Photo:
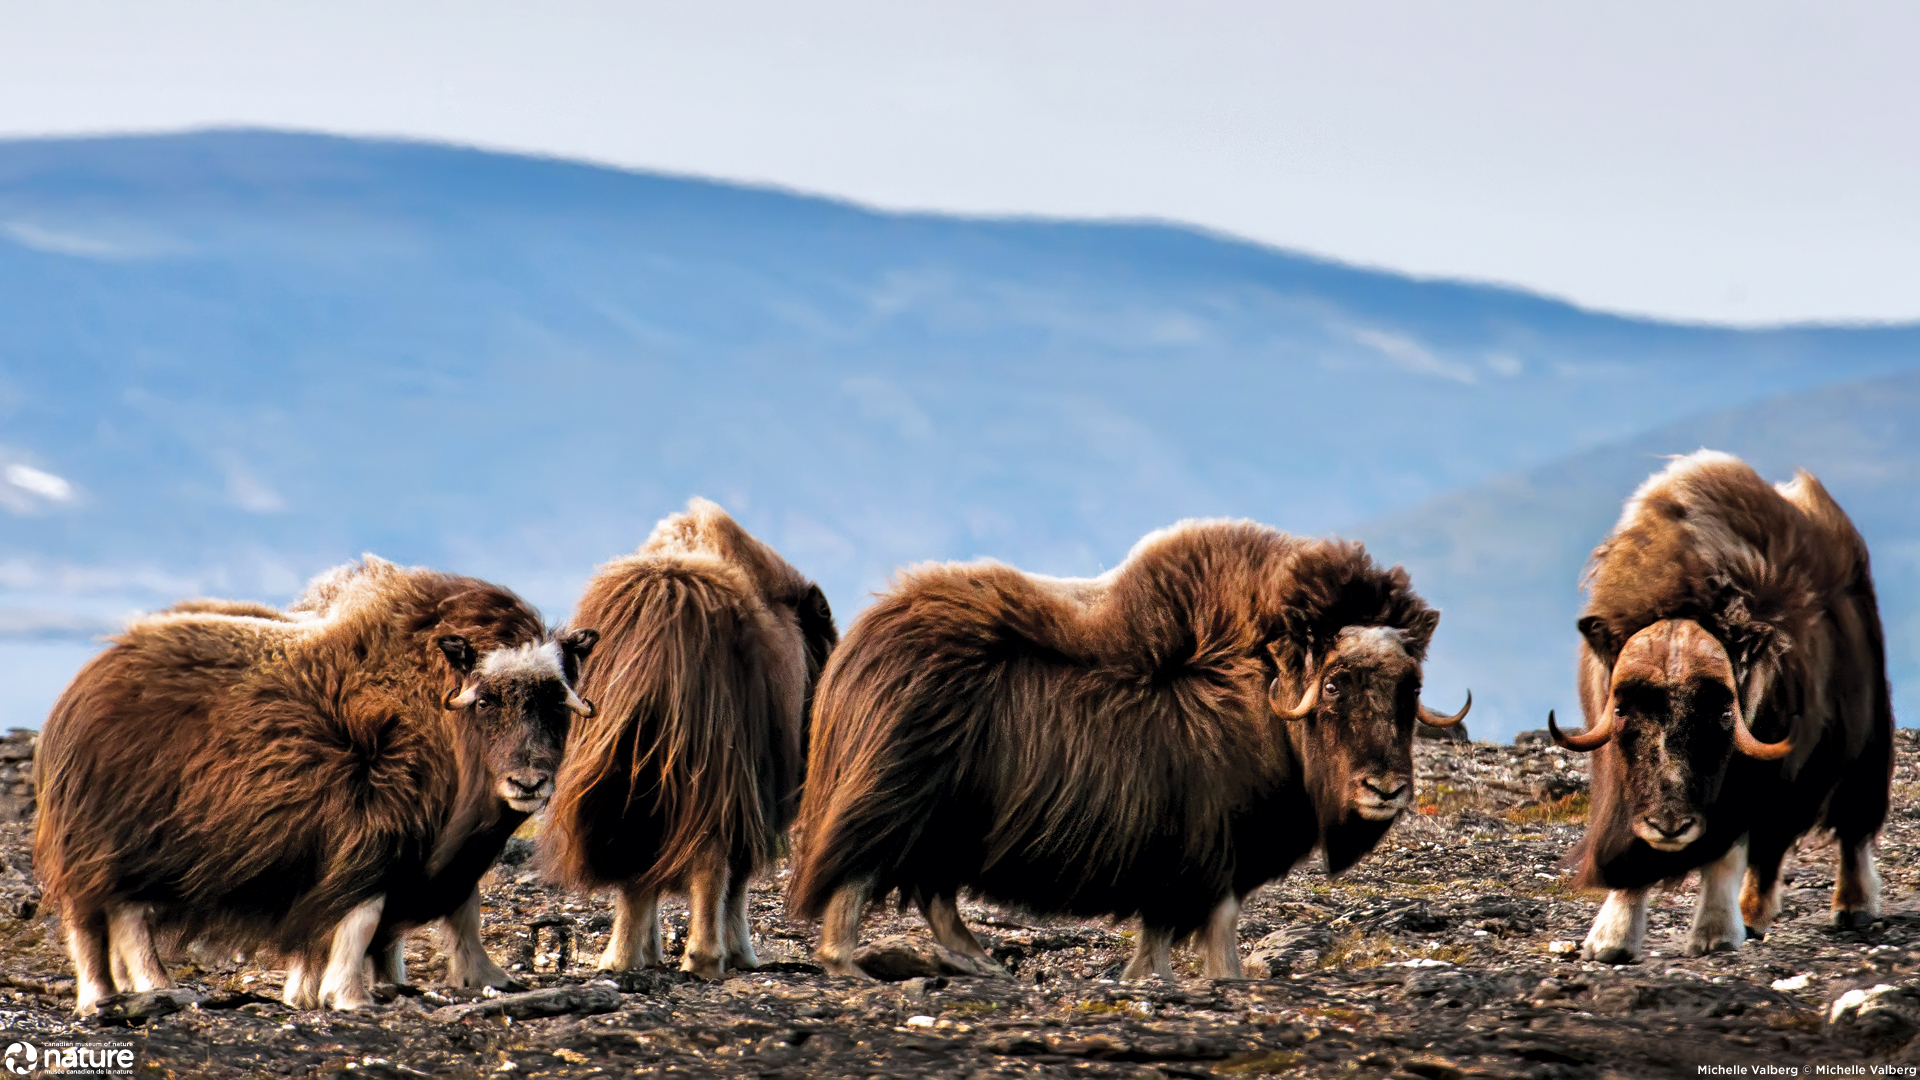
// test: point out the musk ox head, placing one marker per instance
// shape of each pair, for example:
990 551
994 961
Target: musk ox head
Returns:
1673 711
521 700
1354 728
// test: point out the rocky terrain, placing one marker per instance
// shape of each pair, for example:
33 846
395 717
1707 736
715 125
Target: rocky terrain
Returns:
1447 954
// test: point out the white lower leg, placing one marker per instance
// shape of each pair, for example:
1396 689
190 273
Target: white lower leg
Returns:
840 931
636 931
1717 924
87 945
1856 888
133 955
1152 955
1619 932
303 985
949 929
392 965
468 964
706 894
1758 908
1222 959
346 984
740 952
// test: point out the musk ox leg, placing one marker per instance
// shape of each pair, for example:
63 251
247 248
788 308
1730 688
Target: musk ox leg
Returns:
136 966
346 984
390 963
1222 959
468 964
1760 896
740 952
1152 955
87 945
1620 930
636 931
303 984
1856 888
1717 926
942 913
840 930
706 920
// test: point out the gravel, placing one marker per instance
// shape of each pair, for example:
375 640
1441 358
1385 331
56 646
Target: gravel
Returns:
1444 955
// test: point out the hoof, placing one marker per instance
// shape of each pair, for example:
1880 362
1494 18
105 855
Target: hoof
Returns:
702 967
1755 934
846 968
1706 948
1852 920
1613 954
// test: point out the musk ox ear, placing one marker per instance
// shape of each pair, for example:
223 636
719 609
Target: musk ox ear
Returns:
816 625
1594 629
575 647
1418 632
460 653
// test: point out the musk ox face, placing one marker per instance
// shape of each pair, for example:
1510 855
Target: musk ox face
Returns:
1357 729
1673 711
522 701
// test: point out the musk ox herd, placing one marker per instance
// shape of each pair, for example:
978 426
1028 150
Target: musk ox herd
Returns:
309 784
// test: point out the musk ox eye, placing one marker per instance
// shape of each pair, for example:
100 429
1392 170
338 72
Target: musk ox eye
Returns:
1330 689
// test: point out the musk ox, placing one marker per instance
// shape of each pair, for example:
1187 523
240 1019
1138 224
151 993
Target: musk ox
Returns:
312 782
1158 741
1735 690
686 778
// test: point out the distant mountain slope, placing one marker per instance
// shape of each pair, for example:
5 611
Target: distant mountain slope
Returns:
1502 559
230 359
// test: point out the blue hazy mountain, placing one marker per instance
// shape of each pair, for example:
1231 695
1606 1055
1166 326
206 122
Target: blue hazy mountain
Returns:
230 359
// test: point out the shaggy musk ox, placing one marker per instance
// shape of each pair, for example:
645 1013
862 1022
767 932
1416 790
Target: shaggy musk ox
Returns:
1158 741
313 782
1735 691
686 777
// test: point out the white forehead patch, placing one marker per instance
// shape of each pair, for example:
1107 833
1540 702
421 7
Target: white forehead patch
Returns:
1381 641
535 660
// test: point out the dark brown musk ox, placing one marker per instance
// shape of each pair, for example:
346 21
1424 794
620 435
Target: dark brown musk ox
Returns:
687 777
1158 741
311 782
1735 690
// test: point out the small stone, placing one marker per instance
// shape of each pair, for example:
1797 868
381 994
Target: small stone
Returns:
920 1021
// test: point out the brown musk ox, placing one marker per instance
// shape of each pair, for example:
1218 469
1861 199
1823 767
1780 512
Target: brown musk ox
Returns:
1158 741
1734 683
686 779
311 783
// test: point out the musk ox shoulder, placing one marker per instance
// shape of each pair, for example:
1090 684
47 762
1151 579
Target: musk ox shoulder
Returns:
310 782
1734 682
686 778
1158 741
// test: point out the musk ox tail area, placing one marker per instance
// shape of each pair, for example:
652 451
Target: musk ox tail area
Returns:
693 743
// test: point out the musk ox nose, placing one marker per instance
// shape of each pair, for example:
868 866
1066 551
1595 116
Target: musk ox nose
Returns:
1388 789
526 786
1670 830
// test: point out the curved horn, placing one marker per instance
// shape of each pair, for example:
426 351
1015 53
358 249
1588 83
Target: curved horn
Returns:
1434 719
1307 700
1583 741
1745 742
461 698
580 705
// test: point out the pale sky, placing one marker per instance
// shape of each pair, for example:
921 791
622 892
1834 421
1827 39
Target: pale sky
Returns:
1721 160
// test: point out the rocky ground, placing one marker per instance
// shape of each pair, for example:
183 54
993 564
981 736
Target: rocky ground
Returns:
1446 954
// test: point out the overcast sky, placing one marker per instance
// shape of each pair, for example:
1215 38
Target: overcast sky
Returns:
1722 160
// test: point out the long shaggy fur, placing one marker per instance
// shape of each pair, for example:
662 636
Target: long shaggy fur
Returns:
710 643
1781 577
1097 747
252 775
